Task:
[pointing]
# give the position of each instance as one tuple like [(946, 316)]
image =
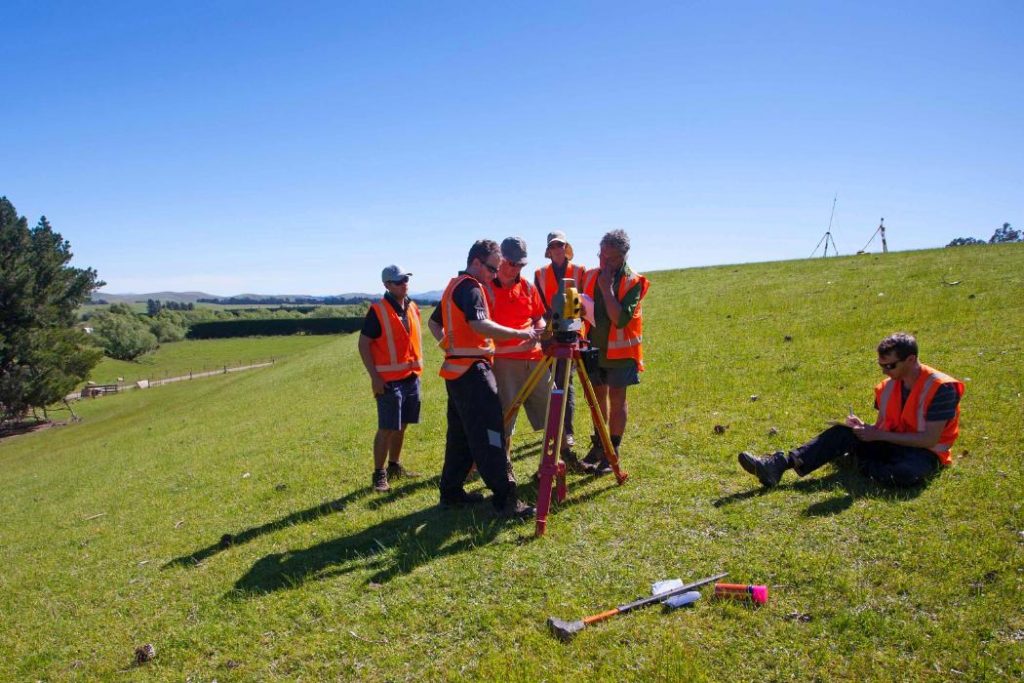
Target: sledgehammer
[(567, 630)]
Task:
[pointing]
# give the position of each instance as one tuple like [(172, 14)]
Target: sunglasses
[(892, 365), (403, 281)]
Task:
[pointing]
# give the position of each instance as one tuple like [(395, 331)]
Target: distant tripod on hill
[(827, 237)]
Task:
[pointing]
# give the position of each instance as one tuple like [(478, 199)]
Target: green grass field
[(109, 528), (175, 359)]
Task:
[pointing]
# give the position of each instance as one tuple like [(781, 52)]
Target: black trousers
[(886, 463), (476, 434)]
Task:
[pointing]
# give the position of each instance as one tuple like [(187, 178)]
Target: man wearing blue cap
[(391, 349)]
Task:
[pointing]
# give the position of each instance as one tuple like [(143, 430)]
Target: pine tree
[(42, 355)]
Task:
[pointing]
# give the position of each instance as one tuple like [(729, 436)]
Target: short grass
[(326, 581), (175, 359)]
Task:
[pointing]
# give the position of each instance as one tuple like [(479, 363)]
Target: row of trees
[(154, 306), (43, 356), (126, 335), (1007, 233)]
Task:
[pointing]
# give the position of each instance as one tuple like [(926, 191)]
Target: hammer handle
[(594, 618)]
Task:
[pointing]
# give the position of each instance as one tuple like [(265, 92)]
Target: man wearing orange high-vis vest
[(390, 347), (476, 435), (547, 279), (918, 421), (617, 333)]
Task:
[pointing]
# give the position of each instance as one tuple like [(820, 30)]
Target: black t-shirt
[(371, 324), (468, 297)]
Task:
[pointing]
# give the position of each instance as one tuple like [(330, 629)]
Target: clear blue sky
[(299, 147)]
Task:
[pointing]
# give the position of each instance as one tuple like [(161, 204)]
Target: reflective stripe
[(471, 351), (625, 343), (389, 335), (450, 305), (921, 401), (883, 402), (395, 367), (458, 366), (515, 348)]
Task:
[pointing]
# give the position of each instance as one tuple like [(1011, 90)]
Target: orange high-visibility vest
[(623, 342), (515, 307), (910, 418), (547, 285), (397, 352), (462, 346)]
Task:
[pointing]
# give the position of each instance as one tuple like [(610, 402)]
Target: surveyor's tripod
[(563, 354)]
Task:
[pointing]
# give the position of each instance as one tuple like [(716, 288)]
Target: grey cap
[(513, 250), (393, 273)]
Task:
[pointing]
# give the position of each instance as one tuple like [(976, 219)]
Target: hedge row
[(221, 329)]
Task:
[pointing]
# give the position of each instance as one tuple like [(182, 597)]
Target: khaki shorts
[(511, 375)]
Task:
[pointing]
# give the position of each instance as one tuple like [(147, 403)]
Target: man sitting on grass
[(918, 421)]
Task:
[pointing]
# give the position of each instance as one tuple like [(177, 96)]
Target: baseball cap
[(393, 273), (558, 236), (513, 250)]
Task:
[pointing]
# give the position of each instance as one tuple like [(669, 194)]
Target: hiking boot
[(461, 499), (572, 463), (768, 469), (380, 481), (515, 509), (594, 456), (397, 471)]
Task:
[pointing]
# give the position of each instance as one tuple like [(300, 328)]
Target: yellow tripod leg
[(526, 389)]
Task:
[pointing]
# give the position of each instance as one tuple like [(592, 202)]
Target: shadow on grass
[(397, 546), (845, 476), (407, 488), (301, 517)]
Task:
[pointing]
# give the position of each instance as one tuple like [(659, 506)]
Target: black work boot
[(513, 508), (594, 456), (510, 507), (460, 499), (572, 463), (605, 466), (397, 471), (768, 469)]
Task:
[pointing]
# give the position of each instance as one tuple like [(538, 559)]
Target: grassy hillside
[(109, 529), (175, 359)]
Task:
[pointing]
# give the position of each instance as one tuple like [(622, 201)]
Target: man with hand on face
[(463, 325), (918, 421), (617, 333), (391, 349)]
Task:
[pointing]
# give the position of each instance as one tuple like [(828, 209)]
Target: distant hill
[(179, 297)]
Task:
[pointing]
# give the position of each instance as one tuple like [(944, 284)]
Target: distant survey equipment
[(879, 231), (827, 237)]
